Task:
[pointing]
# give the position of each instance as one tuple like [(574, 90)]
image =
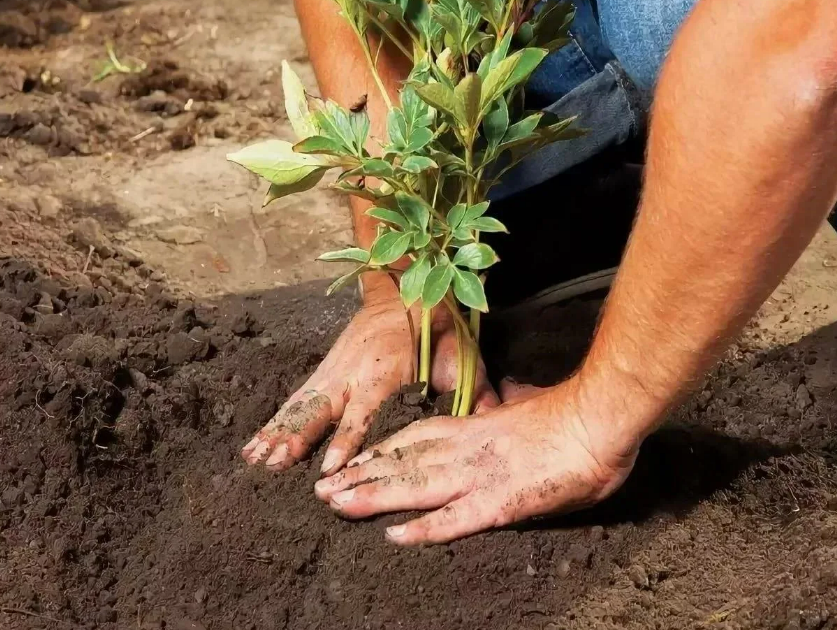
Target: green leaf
[(320, 144), (388, 6), (276, 161), (467, 101), (455, 215), (346, 128), (437, 283), (469, 290), (416, 111), (477, 210), (390, 216), (397, 129), (418, 163), (377, 168), (360, 126), (355, 13), (552, 24), (487, 224), (296, 103), (415, 209), (447, 159), (520, 131), (561, 130), (350, 254), (510, 72), (408, 126), (413, 279), (490, 61), (389, 247), (342, 281), (439, 96), (491, 10), (421, 240), (375, 195), (418, 139), (461, 22), (475, 256), (496, 123)]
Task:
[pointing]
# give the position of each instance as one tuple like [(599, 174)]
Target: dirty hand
[(371, 360), (543, 452)]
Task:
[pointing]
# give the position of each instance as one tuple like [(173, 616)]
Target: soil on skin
[(125, 504)]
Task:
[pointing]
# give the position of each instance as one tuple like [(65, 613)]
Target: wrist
[(378, 287), (619, 400)]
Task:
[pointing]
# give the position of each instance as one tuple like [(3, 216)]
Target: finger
[(357, 418), (512, 391), (472, 513), (295, 429), (419, 431), (399, 462), (302, 392), (419, 489)]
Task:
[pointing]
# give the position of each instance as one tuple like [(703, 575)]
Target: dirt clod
[(88, 233)]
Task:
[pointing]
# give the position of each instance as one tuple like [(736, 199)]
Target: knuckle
[(448, 515)]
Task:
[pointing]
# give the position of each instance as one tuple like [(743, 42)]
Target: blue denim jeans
[(605, 76)]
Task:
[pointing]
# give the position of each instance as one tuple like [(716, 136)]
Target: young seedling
[(459, 126), (114, 65)]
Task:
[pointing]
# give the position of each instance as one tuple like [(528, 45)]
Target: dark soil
[(125, 505)]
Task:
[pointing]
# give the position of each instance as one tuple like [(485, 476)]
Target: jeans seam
[(584, 56), (626, 91)]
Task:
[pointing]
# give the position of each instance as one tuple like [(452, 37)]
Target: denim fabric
[(640, 32), (605, 76)]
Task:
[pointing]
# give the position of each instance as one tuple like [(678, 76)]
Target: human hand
[(371, 360), (547, 452)]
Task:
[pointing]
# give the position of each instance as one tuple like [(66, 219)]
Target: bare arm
[(742, 170)]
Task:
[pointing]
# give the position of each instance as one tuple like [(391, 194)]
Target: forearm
[(742, 169), (344, 76)]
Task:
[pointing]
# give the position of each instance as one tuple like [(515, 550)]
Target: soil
[(124, 502), (128, 383), (144, 154)]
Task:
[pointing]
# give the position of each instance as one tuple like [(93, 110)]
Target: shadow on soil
[(689, 460)]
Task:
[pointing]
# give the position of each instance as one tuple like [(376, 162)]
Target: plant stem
[(472, 354), (460, 367), (385, 30), (424, 360), (364, 43)]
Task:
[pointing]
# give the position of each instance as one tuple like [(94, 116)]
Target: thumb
[(512, 391)]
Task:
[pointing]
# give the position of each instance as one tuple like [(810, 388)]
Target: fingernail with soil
[(250, 445), (259, 452), (341, 498), (322, 486), (331, 459), (278, 457), (396, 530)]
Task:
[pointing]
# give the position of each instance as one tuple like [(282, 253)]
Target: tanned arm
[(742, 170)]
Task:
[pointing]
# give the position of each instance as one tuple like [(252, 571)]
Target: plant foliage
[(459, 126)]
